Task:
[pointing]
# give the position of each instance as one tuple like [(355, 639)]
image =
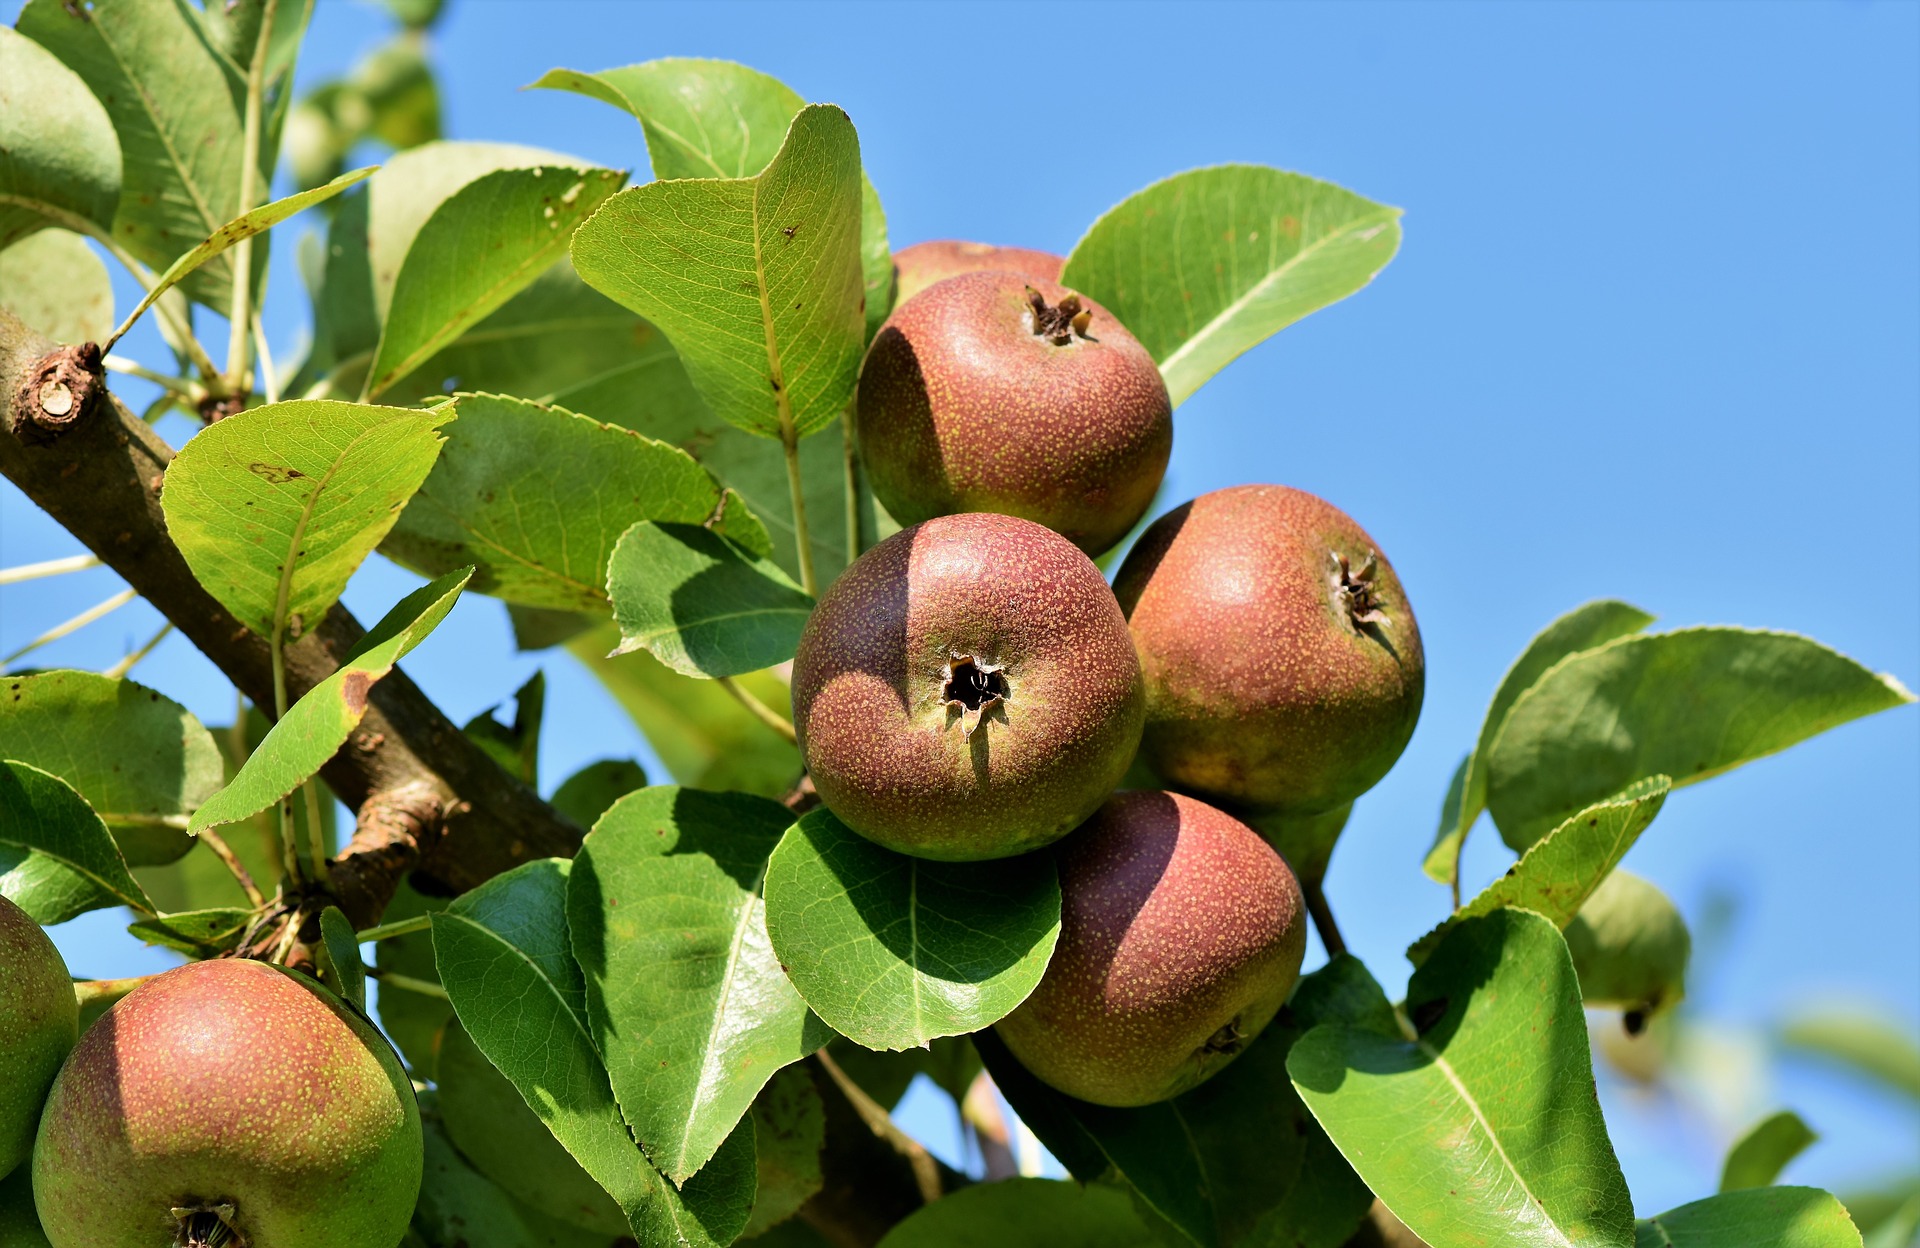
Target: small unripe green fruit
[(39, 1021), (917, 267), (228, 1102), (1181, 935), (996, 392), (1281, 658), (967, 690)]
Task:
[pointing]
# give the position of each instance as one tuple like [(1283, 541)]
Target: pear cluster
[(973, 688)]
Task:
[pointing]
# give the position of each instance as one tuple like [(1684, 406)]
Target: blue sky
[(1654, 334)]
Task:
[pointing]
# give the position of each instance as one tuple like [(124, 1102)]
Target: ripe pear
[(39, 1021), (228, 1103), (917, 267), (1181, 935), (967, 689), (1281, 658), (996, 392)]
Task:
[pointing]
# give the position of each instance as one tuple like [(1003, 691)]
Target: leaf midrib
[(708, 621), (285, 589), (743, 922)]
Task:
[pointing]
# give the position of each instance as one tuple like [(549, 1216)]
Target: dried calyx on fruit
[(973, 688), (1060, 322), (1354, 590)]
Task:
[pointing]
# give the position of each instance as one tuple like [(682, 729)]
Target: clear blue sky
[(1654, 334)]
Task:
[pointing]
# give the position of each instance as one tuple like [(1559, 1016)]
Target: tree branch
[(430, 800)]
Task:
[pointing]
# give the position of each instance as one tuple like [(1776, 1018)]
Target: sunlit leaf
[(1757, 1158), (56, 857), (700, 604), (1761, 1217)]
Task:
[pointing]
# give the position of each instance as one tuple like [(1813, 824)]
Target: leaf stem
[(74, 625), (269, 384), (237, 869), (177, 385), (758, 709), (241, 317), (399, 927), (316, 842), (801, 540), (1323, 918), (89, 991), (851, 484), (50, 567), (120, 669), (407, 983)]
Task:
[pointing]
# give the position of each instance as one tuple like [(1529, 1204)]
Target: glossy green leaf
[(487, 242), (1583, 628), (1025, 1213), (56, 857), (789, 1129), (585, 795), (62, 163), (1757, 1158), (1208, 263), (175, 104), (320, 722), (756, 281), (504, 956), (341, 969), (1563, 869), (702, 734), (493, 1127), (515, 745), (1484, 1129), (276, 507), (56, 284), (689, 1005), (893, 951), (195, 933), (1630, 947), (1688, 704), (1188, 1160), (139, 758), (1865, 1043), (413, 1020), (700, 604), (460, 1207), (1761, 1217), (535, 498)]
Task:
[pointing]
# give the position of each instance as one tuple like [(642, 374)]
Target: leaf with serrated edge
[(689, 1005), (1557, 875), (1208, 263), (1757, 1158), (755, 280), (1761, 1217), (894, 951), (56, 857), (1688, 704), (505, 959), (1485, 1129), (275, 508), (63, 159), (57, 285), (700, 604), (316, 726), (1582, 628)]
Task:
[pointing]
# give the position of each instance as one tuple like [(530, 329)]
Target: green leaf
[(700, 604), (55, 283), (536, 497), (894, 951), (486, 243), (1485, 1129), (504, 957), (1630, 947), (789, 1129), (320, 722), (1208, 263), (56, 857), (1761, 1217), (1865, 1043), (175, 104), (493, 1128), (1025, 1213), (702, 734), (688, 1003), (276, 507), (196, 933), (1188, 1160), (413, 1020), (341, 970), (515, 746), (1557, 876), (1759, 1156), (139, 758), (1583, 628), (756, 281), (585, 795), (1688, 704), (62, 161)]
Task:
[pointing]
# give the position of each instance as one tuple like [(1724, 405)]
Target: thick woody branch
[(429, 799)]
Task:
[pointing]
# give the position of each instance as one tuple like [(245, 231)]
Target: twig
[(407, 983), (1323, 918), (758, 709), (801, 540), (926, 1171), (49, 567), (399, 927), (185, 386), (224, 852), (90, 991), (74, 625), (127, 664)]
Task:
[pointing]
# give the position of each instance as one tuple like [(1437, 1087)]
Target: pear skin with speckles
[(997, 392), (232, 1092), (39, 1020), (1181, 935), (967, 690), (917, 267), (1281, 658)]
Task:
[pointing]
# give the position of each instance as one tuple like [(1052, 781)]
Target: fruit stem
[(802, 542), (852, 485), (89, 991), (231, 861), (760, 710), (1323, 918)]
